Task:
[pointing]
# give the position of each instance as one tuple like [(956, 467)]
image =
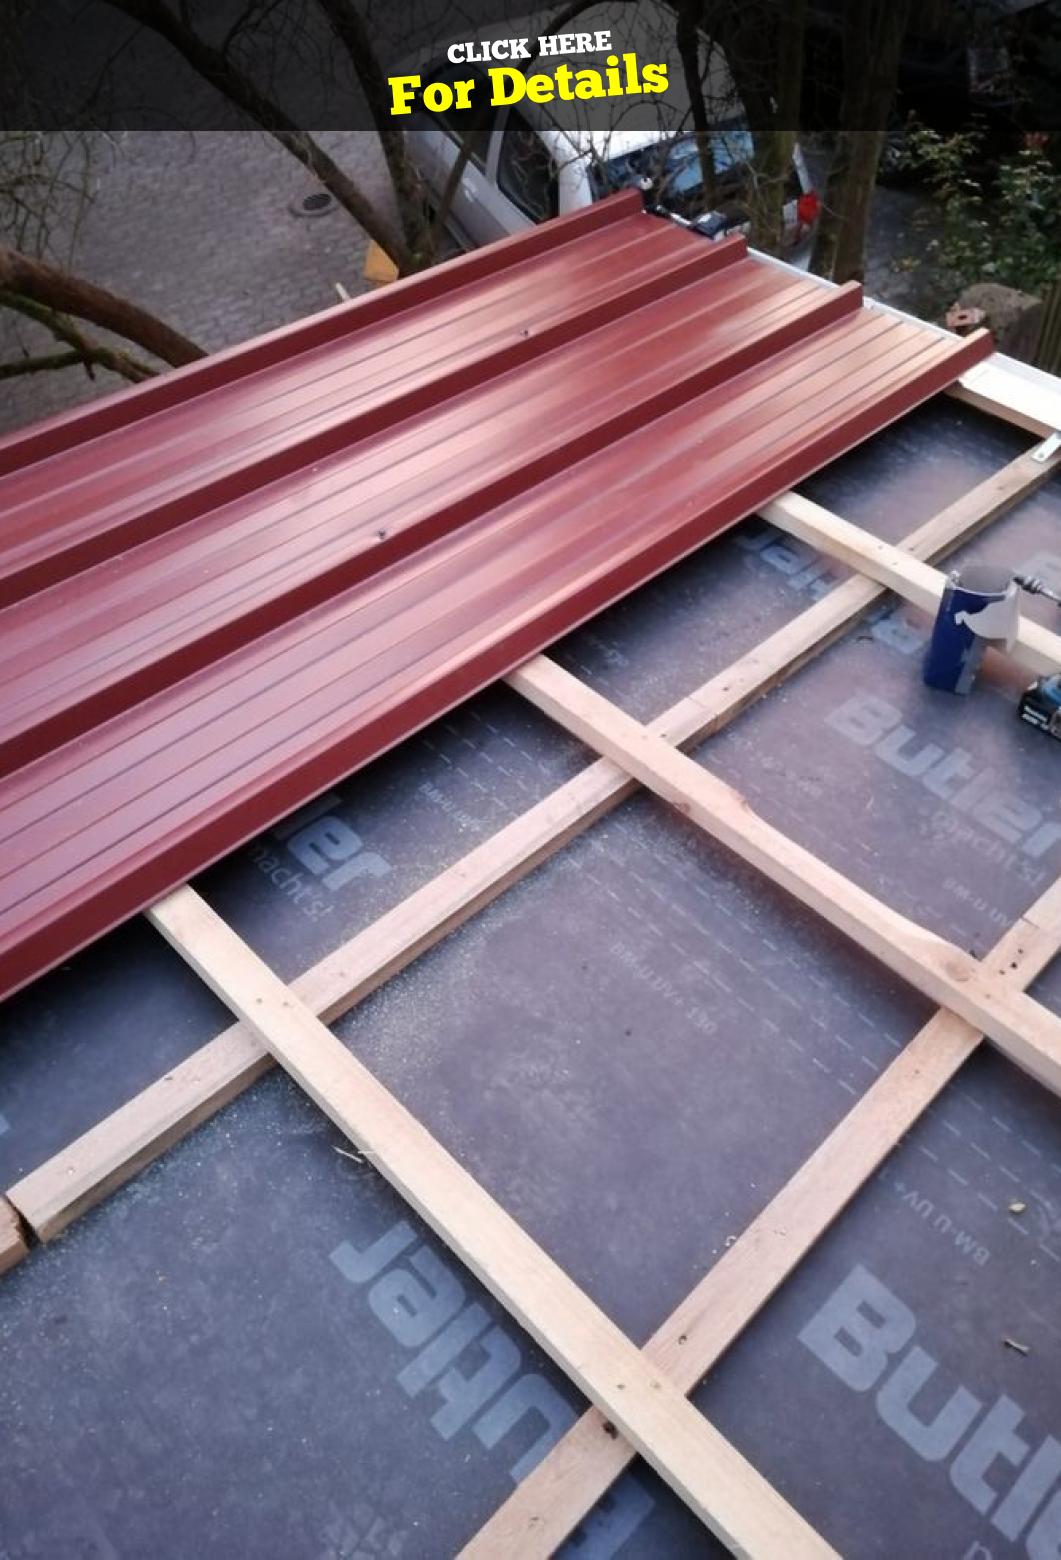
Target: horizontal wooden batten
[(555, 1497), (640, 1394), (12, 1240), (1035, 647), (109, 1154), (1027, 1032), (737, 1503)]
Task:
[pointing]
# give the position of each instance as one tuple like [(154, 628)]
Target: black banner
[(624, 64)]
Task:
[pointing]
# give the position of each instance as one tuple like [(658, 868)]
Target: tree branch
[(350, 29), (85, 349), (47, 284), (40, 365), (240, 90), (687, 37), (873, 36)]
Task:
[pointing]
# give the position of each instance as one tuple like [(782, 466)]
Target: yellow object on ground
[(379, 267)]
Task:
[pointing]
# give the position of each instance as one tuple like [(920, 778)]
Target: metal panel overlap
[(223, 590)]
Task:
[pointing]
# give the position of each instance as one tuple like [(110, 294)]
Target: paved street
[(197, 228)]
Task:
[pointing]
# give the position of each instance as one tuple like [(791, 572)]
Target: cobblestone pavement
[(197, 227)]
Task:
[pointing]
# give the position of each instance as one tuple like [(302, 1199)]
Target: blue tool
[(979, 607)]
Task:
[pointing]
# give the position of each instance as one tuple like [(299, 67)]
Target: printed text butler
[(619, 77)]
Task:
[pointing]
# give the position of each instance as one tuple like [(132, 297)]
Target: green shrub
[(1007, 229)]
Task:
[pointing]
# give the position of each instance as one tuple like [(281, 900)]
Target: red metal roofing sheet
[(225, 589)]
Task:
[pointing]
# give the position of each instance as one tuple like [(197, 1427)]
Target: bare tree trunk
[(791, 37), (773, 157), (59, 290), (774, 148), (313, 156), (687, 37), (839, 249), (745, 30), (350, 29), (873, 39), (218, 70), (763, 46)]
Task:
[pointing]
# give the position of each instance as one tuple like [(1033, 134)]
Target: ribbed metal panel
[(223, 590)]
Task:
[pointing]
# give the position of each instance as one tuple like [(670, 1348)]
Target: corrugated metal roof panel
[(225, 589)]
